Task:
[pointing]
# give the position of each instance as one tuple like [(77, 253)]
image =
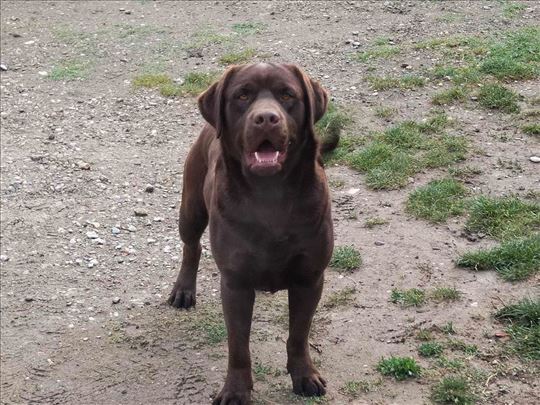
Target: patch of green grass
[(375, 221), (453, 390), (531, 129), (382, 51), (445, 151), (400, 368), (413, 297), (406, 82), (393, 173), (69, 70), (452, 364), (248, 28), (512, 10), (514, 260), (151, 80), (430, 349), (460, 76), (438, 200), (503, 218), (446, 294), (497, 97), (208, 322), (385, 112), (194, 83), (354, 389), (237, 57), (524, 313), (516, 57), (347, 144), (340, 298), (450, 96), (346, 258), (137, 31), (332, 123)]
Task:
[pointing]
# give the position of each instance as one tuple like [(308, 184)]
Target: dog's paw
[(226, 397), (309, 384), (182, 297)]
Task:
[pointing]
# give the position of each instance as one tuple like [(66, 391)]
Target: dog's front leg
[(302, 304), (238, 311)]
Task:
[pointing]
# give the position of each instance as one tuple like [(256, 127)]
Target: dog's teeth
[(257, 157)]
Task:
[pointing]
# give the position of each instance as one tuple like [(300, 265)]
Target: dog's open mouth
[(266, 159)]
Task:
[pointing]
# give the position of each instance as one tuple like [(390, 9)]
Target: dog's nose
[(267, 118)]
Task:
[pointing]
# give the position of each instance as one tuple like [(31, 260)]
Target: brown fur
[(270, 223)]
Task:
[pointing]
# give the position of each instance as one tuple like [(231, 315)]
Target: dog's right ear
[(212, 103)]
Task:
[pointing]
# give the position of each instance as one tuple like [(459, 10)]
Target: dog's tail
[(330, 139)]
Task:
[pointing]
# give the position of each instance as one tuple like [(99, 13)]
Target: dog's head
[(264, 114)]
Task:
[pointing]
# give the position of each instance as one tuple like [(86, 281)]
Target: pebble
[(140, 212), (3, 67), (149, 188), (42, 73), (132, 228), (353, 191), (535, 159), (92, 235), (29, 42), (83, 165), (356, 44), (116, 300), (115, 230), (379, 243), (355, 33), (92, 263), (100, 241), (4, 258), (29, 299)]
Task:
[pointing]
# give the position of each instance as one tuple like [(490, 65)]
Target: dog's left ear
[(212, 103), (315, 97)]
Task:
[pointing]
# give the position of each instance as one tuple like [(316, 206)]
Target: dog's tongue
[(266, 152)]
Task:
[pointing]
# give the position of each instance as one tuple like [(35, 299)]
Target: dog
[(255, 175)]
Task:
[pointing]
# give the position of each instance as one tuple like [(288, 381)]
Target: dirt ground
[(84, 280)]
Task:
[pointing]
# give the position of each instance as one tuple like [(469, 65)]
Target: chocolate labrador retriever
[(256, 176)]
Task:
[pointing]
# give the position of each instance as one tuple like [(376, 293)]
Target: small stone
[(4, 258), (42, 73), (348, 41), (3, 68), (115, 230), (140, 212), (356, 44), (92, 235), (149, 188), (167, 249), (51, 137), (83, 165), (379, 243), (92, 263), (535, 159), (355, 33), (132, 228), (127, 12), (100, 241), (29, 299), (352, 191), (151, 240), (116, 300), (85, 339), (29, 42)]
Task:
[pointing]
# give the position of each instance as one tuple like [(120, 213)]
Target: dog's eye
[(286, 96), (243, 97)]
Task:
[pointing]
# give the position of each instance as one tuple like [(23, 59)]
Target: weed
[(438, 200), (453, 390), (430, 349), (237, 57), (209, 322), (69, 70), (448, 328), (400, 368), (150, 80), (345, 258), (514, 260), (497, 97), (261, 371), (449, 96), (375, 221), (453, 364), (455, 344), (525, 313), (413, 297), (248, 28), (531, 129), (205, 37), (465, 172), (424, 334), (407, 82), (446, 294), (503, 218), (385, 112), (353, 389), (340, 298), (392, 173), (196, 82)]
